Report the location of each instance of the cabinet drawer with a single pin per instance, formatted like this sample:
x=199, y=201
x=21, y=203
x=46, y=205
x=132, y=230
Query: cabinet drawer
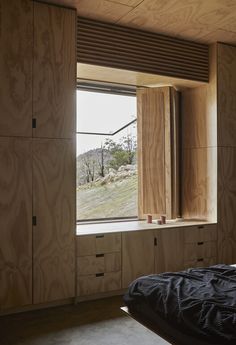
x=193, y=251
x=200, y=233
x=110, y=262
x=202, y=262
x=92, y=284
x=98, y=244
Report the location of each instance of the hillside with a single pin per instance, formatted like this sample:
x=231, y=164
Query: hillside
x=113, y=199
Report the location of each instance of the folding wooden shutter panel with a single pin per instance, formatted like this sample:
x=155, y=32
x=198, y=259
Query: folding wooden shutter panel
x=157, y=168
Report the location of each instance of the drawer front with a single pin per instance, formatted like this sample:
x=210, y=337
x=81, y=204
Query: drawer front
x=99, y=263
x=93, y=284
x=202, y=262
x=193, y=251
x=98, y=244
x=200, y=233
x=108, y=243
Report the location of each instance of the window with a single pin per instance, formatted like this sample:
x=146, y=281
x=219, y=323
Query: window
x=106, y=152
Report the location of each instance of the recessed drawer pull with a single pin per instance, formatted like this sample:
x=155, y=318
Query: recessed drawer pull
x=99, y=255
x=200, y=243
x=99, y=274
x=201, y=259
x=99, y=236
x=201, y=227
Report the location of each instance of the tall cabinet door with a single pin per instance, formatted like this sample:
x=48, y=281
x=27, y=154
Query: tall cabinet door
x=16, y=57
x=54, y=88
x=169, y=250
x=15, y=223
x=137, y=255
x=54, y=229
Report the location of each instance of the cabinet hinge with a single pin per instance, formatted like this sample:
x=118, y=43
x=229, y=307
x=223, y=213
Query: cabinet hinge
x=34, y=220
x=34, y=123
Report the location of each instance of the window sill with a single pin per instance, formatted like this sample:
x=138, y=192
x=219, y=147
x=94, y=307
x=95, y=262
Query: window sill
x=103, y=228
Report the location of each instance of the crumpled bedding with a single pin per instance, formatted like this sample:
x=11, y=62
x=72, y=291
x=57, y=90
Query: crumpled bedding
x=200, y=302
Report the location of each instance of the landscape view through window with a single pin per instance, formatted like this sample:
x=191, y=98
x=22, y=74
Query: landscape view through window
x=106, y=162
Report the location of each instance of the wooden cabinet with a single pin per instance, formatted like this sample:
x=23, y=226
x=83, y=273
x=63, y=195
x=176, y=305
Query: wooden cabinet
x=37, y=80
x=169, y=250
x=15, y=222
x=109, y=262
x=54, y=207
x=98, y=263
x=54, y=87
x=16, y=57
x=200, y=246
x=137, y=255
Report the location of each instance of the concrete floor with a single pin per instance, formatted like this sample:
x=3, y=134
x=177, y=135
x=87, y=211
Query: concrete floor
x=89, y=323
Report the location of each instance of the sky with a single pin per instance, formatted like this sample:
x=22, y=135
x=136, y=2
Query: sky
x=99, y=112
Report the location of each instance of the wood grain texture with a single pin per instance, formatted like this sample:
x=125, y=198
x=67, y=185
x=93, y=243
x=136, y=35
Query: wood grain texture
x=199, y=110
x=157, y=165
x=200, y=233
x=190, y=20
x=199, y=183
x=110, y=262
x=194, y=251
x=54, y=88
x=92, y=284
x=15, y=223
x=54, y=206
x=151, y=148
x=16, y=41
x=115, y=46
x=169, y=250
x=113, y=10
x=226, y=95
x=198, y=123
x=226, y=204
x=98, y=244
x=203, y=262
x=204, y=21
x=137, y=255
x=121, y=76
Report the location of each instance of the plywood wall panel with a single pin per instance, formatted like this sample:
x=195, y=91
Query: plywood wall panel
x=15, y=223
x=54, y=206
x=199, y=190
x=227, y=204
x=16, y=58
x=226, y=95
x=54, y=88
x=199, y=123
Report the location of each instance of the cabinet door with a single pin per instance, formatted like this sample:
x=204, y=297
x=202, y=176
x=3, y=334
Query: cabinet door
x=54, y=87
x=15, y=223
x=16, y=42
x=137, y=255
x=54, y=208
x=169, y=250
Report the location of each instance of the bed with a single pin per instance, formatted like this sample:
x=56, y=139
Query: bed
x=196, y=306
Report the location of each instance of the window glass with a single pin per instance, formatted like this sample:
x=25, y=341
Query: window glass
x=106, y=162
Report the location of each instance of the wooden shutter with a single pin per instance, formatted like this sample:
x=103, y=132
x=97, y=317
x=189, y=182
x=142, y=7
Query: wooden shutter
x=157, y=151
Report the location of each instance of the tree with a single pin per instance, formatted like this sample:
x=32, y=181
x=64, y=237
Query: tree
x=123, y=153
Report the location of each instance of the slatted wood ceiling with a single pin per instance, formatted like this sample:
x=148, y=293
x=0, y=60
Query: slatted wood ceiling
x=110, y=45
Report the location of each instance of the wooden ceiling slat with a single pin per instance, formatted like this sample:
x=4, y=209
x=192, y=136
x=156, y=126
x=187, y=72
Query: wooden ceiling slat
x=114, y=46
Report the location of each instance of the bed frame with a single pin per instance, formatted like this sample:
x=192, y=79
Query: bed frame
x=164, y=330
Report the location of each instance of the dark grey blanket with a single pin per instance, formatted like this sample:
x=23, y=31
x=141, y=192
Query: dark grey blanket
x=200, y=302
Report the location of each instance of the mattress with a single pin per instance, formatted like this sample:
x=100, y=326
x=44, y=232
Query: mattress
x=198, y=302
